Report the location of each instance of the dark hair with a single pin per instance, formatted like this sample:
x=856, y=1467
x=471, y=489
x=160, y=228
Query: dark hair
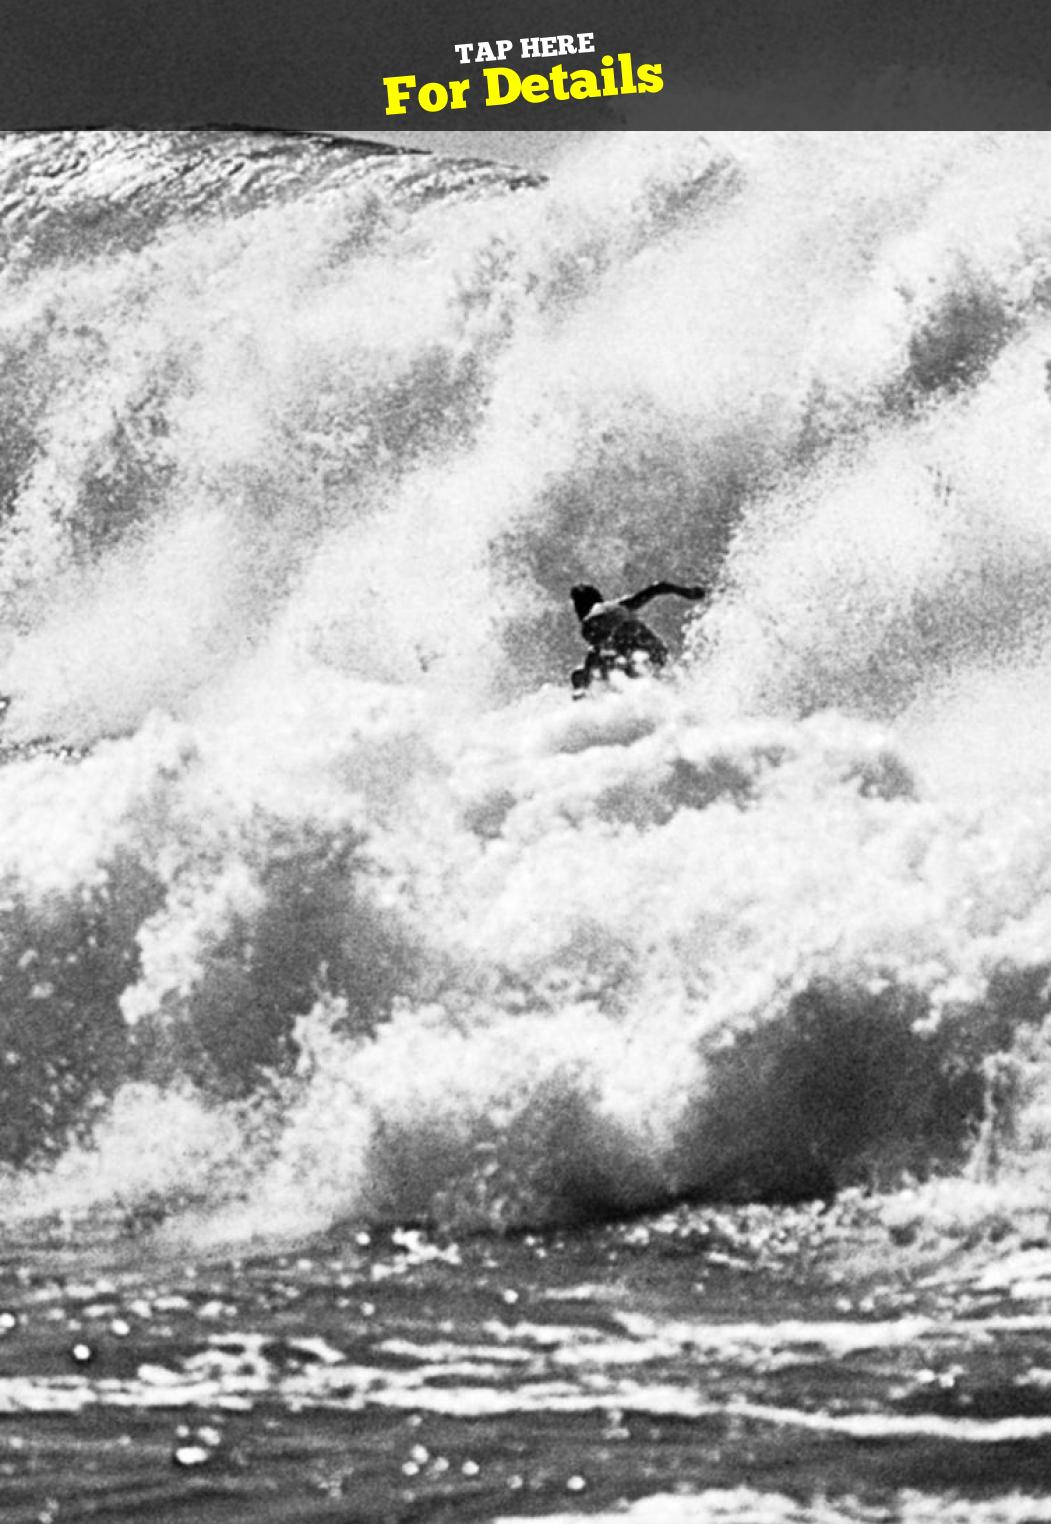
x=584, y=598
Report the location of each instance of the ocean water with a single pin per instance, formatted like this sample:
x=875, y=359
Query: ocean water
x=421, y=1096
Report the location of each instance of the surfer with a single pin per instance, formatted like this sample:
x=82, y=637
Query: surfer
x=615, y=635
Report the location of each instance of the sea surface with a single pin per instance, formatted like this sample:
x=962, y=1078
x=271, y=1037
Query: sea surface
x=424, y=1097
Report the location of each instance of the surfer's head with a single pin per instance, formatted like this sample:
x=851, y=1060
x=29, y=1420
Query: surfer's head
x=584, y=598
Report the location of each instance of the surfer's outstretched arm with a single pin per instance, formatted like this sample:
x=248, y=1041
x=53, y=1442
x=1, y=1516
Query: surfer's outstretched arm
x=657, y=589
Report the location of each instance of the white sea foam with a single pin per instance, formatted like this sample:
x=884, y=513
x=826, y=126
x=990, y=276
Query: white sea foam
x=747, y=1505
x=297, y=475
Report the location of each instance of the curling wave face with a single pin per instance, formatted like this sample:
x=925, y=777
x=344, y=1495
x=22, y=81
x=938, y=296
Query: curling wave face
x=334, y=906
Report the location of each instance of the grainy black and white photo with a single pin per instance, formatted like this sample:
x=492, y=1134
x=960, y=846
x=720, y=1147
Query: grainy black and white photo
x=525, y=827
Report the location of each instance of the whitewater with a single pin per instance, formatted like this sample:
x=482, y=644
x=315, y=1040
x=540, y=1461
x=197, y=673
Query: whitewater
x=326, y=916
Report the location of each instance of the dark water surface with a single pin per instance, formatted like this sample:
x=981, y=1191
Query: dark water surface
x=399, y=1377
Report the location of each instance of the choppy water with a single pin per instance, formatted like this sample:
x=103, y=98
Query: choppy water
x=694, y=1367
x=324, y=914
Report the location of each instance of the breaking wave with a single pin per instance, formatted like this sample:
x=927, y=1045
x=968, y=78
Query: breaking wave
x=318, y=900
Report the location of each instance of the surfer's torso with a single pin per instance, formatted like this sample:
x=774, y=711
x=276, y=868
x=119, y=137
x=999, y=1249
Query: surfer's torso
x=606, y=621
x=609, y=626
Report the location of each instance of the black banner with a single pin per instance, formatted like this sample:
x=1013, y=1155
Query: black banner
x=344, y=65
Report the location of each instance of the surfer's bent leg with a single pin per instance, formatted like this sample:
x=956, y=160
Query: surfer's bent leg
x=646, y=644
x=582, y=677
